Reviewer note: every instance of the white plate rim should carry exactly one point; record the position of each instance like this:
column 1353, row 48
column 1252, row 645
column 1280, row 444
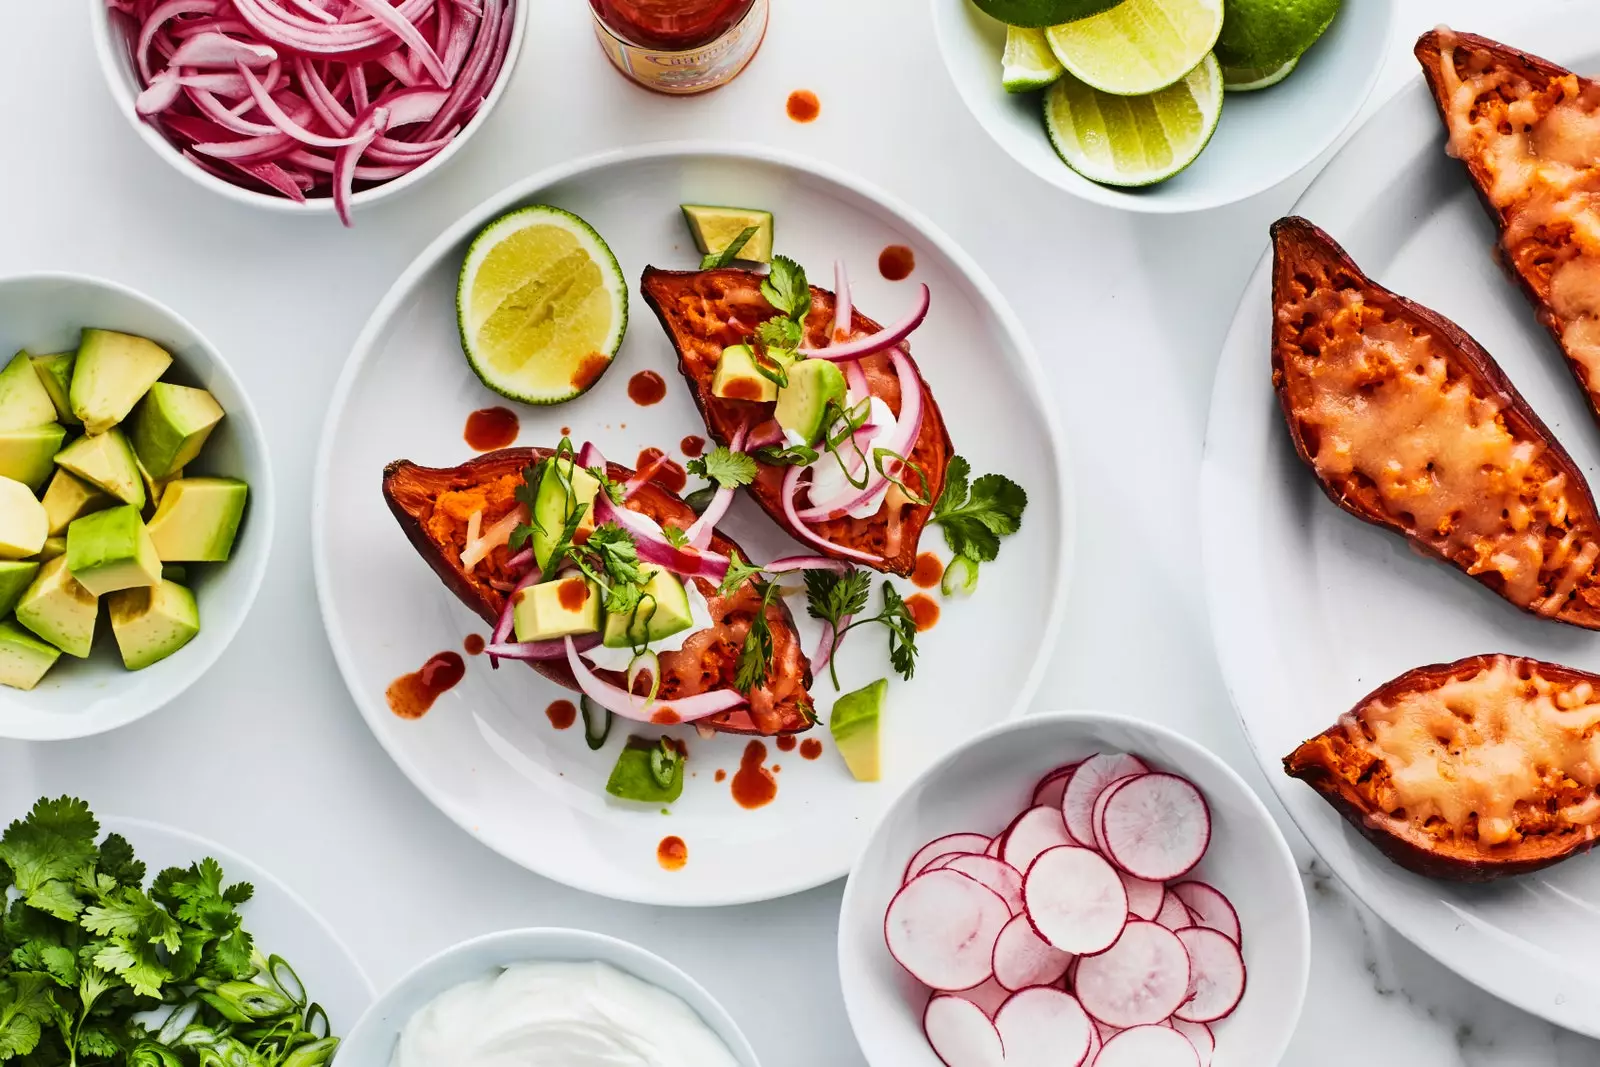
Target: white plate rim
column 1005, row 318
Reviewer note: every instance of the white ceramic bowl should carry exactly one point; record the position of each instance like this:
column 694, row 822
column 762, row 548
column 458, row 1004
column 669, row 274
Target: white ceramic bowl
column 981, row 785
column 122, row 77
column 1264, row 137
column 372, row 1042
column 43, row 313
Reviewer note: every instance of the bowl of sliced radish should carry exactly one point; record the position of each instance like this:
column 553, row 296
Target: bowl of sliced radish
column 1075, row 889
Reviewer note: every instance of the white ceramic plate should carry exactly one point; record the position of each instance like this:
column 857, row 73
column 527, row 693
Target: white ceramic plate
column 43, row 313
column 371, row 1043
column 987, row 781
column 1312, row 609
column 486, row 755
column 1264, row 137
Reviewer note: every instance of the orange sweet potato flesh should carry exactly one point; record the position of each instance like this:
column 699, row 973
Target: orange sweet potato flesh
column 434, row 504
column 706, row 311
column 1526, row 108
column 1408, row 424
column 1345, row 767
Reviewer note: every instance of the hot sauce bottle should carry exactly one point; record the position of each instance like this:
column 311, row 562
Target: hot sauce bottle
column 680, row 46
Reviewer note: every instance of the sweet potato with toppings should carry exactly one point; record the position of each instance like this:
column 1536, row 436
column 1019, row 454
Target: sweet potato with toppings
column 705, row 311
column 1408, row 424
column 1467, row 771
column 434, row 506
column 1528, row 132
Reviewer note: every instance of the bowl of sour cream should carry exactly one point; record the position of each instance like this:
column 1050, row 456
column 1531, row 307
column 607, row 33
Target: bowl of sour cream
column 571, row 997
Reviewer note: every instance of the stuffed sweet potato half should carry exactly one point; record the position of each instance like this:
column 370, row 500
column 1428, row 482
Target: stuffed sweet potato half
column 436, row 508
column 1408, row 424
column 1467, row 771
column 707, row 312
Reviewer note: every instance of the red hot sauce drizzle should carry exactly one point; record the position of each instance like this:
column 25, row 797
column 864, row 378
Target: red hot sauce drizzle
column 646, row 388
column 897, row 262
column 491, row 428
column 474, row 644
column 924, row 611
column 810, row 748
column 672, row 853
column 929, row 571
column 803, row 106
column 753, row 785
column 411, row 695
column 654, row 465
column 786, row 742
column 692, row 446
column 561, row 713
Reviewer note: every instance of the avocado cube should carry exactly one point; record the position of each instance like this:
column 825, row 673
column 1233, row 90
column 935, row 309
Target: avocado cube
column 855, row 725
column 151, row 624
column 170, row 425
column 174, row 572
column 23, row 526
column 113, row 372
column 53, row 547
column 112, row 550
column 551, row 505
column 28, row 455
column 154, row 488
column 23, row 399
column 24, row 659
column 15, row 577
column 55, row 374
column 69, row 497
column 738, row 379
column 803, row 403
column 715, row 228
column 106, row 460
column 557, row 608
column 60, row 610
column 663, row 611
column 198, row 519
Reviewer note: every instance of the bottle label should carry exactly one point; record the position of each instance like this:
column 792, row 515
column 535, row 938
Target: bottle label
column 696, row 70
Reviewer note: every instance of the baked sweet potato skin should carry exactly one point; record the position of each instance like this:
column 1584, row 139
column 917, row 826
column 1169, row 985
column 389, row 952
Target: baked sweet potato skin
column 1340, row 770
column 705, row 311
column 1306, row 256
column 412, row 491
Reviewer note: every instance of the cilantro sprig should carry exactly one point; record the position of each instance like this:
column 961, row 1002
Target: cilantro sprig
column 779, row 337
column 832, row 597
column 728, row 469
column 974, row 518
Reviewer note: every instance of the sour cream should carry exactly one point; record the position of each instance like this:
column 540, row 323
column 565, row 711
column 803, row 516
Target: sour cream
column 828, row 478
column 559, row 1015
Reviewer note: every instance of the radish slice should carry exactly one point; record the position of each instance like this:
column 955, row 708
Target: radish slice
column 1200, row 1036
column 1097, row 816
column 1174, row 914
column 993, row 848
column 999, row 876
column 988, row 996
column 1044, row 1027
column 1216, row 978
column 1022, row 958
column 1036, row 830
column 1093, row 775
column 939, row 863
column 961, row 1034
column 1050, row 788
column 942, row 926
column 1096, row 1042
column 1155, row 826
column 1144, row 898
column 939, row 846
column 1143, row 978
column 1075, row 900
column 1148, row 1046
column 1210, row 908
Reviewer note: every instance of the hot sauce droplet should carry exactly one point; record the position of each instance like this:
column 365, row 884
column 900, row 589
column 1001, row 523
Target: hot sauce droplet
column 411, row 695
column 473, row 644
column 929, row 571
column 491, row 428
column 561, row 713
column 786, row 743
column 810, row 748
column 672, row 853
column 753, row 785
column 654, row 465
column 803, row 105
column 897, row 262
column 692, row 446
column 589, row 371
column 572, row 593
column 646, row 388
column 720, row 776
column 924, row 611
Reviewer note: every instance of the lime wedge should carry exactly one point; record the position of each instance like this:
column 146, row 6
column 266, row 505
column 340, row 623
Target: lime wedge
column 1246, row 79
column 1139, row 46
column 1028, row 63
column 541, row 304
column 1134, row 140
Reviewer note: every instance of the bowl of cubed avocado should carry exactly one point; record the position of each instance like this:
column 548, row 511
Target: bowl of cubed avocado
column 135, row 506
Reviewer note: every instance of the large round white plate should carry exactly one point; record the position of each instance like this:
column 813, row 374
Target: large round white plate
column 485, row 754
column 1312, row 609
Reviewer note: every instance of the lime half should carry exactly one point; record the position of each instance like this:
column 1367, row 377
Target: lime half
column 1139, row 46
column 541, row 304
column 1028, row 63
column 1134, row 140
column 1247, row 79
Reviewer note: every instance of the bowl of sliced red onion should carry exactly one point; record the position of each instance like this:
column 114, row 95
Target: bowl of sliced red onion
column 1077, row 889
column 307, row 105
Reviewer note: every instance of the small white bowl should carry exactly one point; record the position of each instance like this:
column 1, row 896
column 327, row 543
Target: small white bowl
column 121, row 75
column 78, row 698
column 981, row 785
column 371, row 1043
column 1264, row 138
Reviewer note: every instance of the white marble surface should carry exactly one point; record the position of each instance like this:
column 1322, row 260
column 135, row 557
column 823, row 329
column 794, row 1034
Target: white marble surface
column 1128, row 312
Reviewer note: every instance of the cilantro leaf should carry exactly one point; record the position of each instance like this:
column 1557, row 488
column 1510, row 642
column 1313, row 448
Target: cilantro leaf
column 26, row 1005
column 138, row 965
column 786, row 288
column 831, row 596
column 52, row 845
column 902, row 632
column 728, row 469
column 976, row 518
column 676, row 536
column 755, row 657
column 739, row 572
column 781, row 333
column 118, row 863
column 713, row 260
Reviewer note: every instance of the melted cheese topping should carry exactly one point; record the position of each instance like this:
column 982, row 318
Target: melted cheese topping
column 1482, row 745
column 1377, row 399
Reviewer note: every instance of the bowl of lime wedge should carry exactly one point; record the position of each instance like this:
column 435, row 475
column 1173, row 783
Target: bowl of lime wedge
column 1164, row 105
